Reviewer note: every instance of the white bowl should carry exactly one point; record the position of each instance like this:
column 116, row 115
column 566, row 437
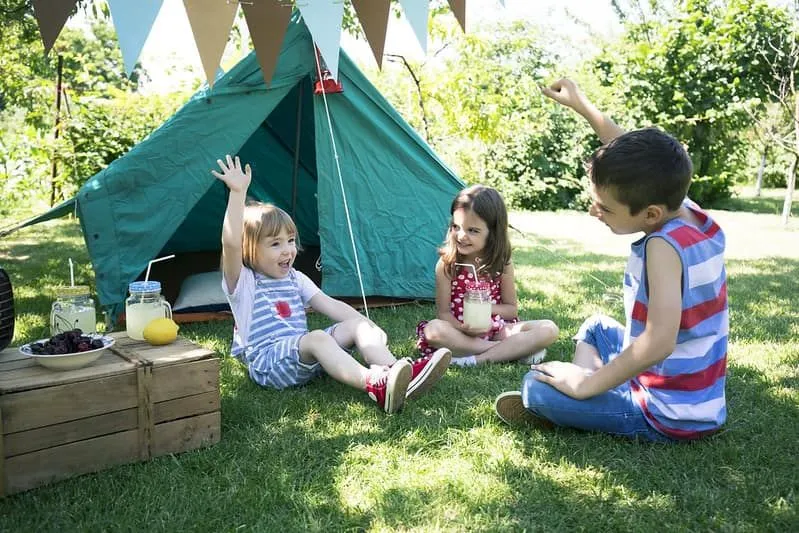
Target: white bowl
column 69, row 361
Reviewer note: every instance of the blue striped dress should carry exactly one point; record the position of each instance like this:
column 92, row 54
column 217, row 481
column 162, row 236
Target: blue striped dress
column 278, row 323
column 683, row 395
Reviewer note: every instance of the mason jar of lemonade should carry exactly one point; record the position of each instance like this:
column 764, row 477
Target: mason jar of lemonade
column 73, row 308
column 144, row 304
column 477, row 306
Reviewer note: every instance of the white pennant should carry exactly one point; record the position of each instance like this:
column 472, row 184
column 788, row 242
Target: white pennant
column 416, row 13
column 323, row 18
column 133, row 22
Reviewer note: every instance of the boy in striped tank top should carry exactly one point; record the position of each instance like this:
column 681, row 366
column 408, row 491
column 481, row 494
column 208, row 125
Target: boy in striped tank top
column 661, row 376
column 268, row 298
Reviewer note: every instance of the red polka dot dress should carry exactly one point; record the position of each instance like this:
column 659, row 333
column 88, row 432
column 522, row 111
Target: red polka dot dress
column 464, row 276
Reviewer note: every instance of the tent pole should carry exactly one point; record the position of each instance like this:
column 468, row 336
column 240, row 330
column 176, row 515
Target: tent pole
column 295, row 176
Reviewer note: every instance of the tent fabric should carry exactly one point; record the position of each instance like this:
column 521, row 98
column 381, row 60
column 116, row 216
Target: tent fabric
column 161, row 198
column 67, row 207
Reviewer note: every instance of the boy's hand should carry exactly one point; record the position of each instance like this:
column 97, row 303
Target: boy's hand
column 232, row 174
column 565, row 92
column 568, row 378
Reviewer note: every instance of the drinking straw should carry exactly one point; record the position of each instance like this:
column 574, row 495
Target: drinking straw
column 71, row 273
column 147, row 275
column 470, row 266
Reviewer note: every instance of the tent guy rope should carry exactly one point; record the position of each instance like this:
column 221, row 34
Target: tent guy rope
column 323, row 92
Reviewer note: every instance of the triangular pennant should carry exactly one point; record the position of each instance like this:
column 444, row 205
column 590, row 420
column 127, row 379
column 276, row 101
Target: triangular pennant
column 502, row 2
column 373, row 15
column 267, row 21
column 459, row 8
column 51, row 16
column 416, row 13
column 210, row 22
column 323, row 18
column 133, row 22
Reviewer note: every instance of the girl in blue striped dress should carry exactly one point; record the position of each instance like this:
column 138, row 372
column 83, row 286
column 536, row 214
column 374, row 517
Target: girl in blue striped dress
column 268, row 298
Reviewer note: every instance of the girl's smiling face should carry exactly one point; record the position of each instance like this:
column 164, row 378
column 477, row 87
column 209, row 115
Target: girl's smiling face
column 276, row 254
column 470, row 233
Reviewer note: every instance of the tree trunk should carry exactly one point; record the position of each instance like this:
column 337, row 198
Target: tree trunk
column 759, row 182
column 791, row 177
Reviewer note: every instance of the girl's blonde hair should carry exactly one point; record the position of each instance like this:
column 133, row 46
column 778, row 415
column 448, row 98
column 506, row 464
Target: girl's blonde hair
column 486, row 203
column 262, row 221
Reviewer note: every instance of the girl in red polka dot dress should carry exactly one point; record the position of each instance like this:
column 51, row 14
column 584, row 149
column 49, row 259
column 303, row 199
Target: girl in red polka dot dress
column 478, row 243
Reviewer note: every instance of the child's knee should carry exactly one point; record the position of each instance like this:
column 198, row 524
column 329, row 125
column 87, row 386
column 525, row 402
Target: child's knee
column 535, row 393
column 434, row 331
column 549, row 331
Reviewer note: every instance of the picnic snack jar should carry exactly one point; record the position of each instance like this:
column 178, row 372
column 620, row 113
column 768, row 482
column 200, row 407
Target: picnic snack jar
column 477, row 305
column 73, row 308
column 144, row 304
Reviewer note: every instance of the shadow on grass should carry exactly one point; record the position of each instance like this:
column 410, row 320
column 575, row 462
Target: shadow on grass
column 762, row 297
column 741, row 478
column 763, row 205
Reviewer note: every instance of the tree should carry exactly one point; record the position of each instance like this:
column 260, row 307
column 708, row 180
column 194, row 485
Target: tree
column 697, row 75
column 782, row 58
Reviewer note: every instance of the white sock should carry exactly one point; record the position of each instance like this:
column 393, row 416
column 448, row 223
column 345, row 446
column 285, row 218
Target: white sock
column 466, row 360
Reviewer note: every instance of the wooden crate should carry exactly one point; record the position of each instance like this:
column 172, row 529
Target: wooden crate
column 134, row 403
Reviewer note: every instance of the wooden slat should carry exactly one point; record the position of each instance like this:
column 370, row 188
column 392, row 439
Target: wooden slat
column 53, row 405
column 177, row 381
column 33, row 376
column 144, row 378
column 182, row 407
column 180, row 351
column 187, row 434
column 76, row 430
column 2, row 461
column 31, row 470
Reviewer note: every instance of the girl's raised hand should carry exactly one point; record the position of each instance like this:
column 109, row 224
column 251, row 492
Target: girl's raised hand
column 232, row 174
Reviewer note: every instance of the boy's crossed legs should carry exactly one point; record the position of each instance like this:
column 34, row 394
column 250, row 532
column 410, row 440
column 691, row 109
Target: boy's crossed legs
column 599, row 340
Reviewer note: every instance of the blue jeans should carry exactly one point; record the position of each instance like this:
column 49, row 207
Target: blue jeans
column 613, row 412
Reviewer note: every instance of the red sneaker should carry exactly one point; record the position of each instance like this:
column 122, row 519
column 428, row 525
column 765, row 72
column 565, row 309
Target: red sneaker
column 425, row 371
column 388, row 385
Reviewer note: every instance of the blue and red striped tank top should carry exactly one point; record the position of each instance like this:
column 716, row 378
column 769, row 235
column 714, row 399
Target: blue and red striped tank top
column 683, row 395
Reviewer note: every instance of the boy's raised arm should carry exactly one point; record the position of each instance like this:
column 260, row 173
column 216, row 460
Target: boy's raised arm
column 566, row 92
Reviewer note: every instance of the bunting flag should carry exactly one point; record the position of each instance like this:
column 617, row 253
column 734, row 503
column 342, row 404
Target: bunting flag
column 210, row 22
column 459, row 8
column 373, row 15
column 133, row 22
column 416, row 13
column 323, row 18
column 267, row 21
column 51, row 16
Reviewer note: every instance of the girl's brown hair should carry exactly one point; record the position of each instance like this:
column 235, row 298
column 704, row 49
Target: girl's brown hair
column 262, row 221
column 486, row 203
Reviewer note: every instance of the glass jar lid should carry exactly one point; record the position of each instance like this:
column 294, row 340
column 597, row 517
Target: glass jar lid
column 72, row 292
column 478, row 286
column 145, row 286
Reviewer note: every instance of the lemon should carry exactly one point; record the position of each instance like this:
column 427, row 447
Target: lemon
column 160, row 331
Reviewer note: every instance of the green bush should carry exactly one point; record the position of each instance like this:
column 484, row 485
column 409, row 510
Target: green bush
column 708, row 191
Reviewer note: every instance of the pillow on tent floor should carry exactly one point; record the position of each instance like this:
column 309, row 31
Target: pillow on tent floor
column 201, row 293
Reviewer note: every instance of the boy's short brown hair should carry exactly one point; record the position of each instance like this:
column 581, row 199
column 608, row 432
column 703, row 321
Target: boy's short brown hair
column 643, row 167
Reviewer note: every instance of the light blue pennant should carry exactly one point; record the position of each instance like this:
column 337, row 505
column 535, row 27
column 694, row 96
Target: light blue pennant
column 323, row 18
column 133, row 22
column 416, row 13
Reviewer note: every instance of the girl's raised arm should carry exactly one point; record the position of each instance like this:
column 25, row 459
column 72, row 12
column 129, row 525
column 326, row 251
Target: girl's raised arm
column 237, row 182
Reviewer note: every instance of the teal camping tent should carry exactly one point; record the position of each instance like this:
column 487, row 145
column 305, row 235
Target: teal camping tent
column 160, row 197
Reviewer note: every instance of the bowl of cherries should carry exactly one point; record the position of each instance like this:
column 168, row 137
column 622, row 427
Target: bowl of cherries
column 68, row 350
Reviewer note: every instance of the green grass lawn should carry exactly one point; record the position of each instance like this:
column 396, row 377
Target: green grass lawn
column 323, row 458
